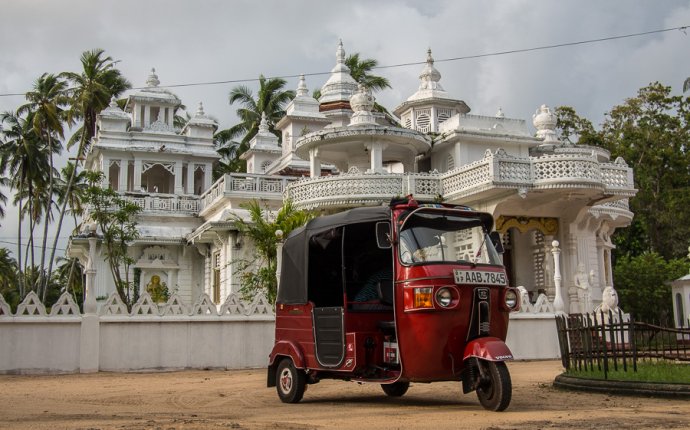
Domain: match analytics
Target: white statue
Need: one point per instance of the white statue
(609, 302)
(584, 282)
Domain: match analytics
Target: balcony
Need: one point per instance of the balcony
(244, 186)
(496, 171)
(358, 189)
(167, 203)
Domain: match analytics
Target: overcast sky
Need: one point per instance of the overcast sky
(201, 41)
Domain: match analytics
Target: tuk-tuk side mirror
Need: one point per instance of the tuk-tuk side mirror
(383, 234)
(496, 242)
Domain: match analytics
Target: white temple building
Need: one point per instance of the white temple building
(336, 154)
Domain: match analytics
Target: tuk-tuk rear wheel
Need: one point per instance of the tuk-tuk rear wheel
(396, 389)
(290, 382)
(495, 390)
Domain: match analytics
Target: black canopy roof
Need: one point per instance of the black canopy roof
(294, 266)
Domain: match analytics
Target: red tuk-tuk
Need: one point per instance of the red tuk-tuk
(395, 294)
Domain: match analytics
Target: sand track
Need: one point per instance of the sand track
(240, 400)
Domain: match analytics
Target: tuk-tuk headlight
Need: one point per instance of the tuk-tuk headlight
(444, 297)
(511, 299)
(423, 297)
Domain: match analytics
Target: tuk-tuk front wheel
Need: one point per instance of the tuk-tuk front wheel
(290, 382)
(396, 389)
(495, 389)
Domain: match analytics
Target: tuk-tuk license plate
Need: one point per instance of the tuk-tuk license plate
(479, 277)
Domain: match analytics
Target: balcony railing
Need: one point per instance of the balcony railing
(165, 203)
(496, 170)
(246, 186)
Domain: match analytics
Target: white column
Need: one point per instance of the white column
(137, 175)
(314, 163)
(171, 116)
(208, 174)
(147, 117)
(105, 163)
(190, 178)
(558, 304)
(178, 178)
(375, 156)
(122, 181)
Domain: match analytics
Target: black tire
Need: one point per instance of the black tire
(290, 382)
(495, 391)
(396, 389)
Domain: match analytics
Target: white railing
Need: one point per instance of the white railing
(165, 203)
(247, 185)
(355, 188)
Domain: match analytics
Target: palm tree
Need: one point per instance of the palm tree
(8, 278)
(45, 103)
(270, 100)
(262, 232)
(25, 164)
(90, 93)
(360, 70)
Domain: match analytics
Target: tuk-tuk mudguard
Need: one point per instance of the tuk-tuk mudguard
(283, 348)
(488, 348)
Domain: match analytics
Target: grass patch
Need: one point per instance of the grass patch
(647, 371)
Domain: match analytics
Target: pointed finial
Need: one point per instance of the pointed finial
(263, 126)
(429, 58)
(113, 102)
(340, 53)
(200, 110)
(500, 113)
(152, 80)
(302, 87)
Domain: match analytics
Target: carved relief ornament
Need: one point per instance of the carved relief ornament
(547, 226)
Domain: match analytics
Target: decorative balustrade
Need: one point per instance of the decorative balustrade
(247, 185)
(65, 306)
(355, 188)
(162, 203)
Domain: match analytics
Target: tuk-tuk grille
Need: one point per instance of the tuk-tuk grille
(481, 317)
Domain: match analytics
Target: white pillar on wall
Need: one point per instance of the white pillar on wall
(137, 175)
(190, 178)
(122, 180)
(314, 163)
(208, 174)
(178, 178)
(105, 163)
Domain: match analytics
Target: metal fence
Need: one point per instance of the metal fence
(612, 340)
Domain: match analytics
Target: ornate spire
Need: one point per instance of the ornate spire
(545, 122)
(340, 53)
(263, 126)
(302, 87)
(152, 80)
(113, 103)
(200, 111)
(362, 103)
(500, 113)
(430, 76)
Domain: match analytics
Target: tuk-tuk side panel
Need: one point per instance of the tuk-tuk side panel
(294, 326)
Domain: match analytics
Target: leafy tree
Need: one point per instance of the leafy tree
(9, 278)
(270, 100)
(572, 128)
(643, 285)
(115, 217)
(90, 93)
(259, 275)
(69, 274)
(651, 132)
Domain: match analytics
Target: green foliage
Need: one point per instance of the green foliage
(258, 275)
(115, 217)
(651, 132)
(643, 285)
(572, 128)
(9, 286)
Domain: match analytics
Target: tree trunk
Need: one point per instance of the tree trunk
(43, 277)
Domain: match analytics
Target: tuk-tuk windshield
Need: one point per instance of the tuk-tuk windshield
(442, 237)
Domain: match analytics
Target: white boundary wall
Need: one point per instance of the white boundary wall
(151, 337)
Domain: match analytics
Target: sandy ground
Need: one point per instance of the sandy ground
(240, 400)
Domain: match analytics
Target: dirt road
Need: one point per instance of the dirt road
(240, 400)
